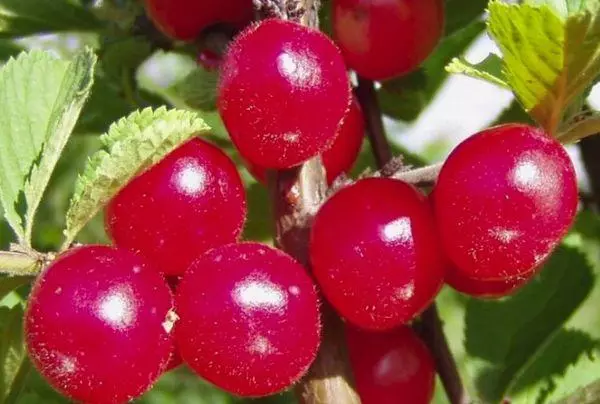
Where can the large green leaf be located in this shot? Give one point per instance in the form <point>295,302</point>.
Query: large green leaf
<point>131,145</point>
<point>14,364</point>
<point>40,100</point>
<point>548,60</point>
<point>29,17</point>
<point>511,341</point>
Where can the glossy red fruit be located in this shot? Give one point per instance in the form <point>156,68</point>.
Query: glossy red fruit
<point>342,154</point>
<point>393,367</point>
<point>503,200</point>
<point>175,361</point>
<point>98,325</point>
<point>383,39</point>
<point>486,289</point>
<point>186,19</point>
<point>283,92</point>
<point>189,202</point>
<point>249,319</point>
<point>375,253</point>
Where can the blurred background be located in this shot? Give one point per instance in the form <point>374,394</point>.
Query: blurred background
<point>425,119</point>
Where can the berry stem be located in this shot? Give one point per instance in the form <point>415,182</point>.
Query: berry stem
<point>431,329</point>
<point>296,195</point>
<point>365,92</point>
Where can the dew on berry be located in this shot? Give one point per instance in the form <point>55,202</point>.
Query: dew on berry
<point>282,94</point>
<point>503,200</point>
<point>249,319</point>
<point>189,202</point>
<point>95,315</point>
<point>375,253</point>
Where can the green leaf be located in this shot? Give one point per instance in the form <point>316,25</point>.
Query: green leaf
<point>508,338</point>
<point>489,69</point>
<point>405,97</point>
<point>10,283</point>
<point>29,17</point>
<point>548,60</point>
<point>127,53</point>
<point>12,352</point>
<point>40,100</point>
<point>460,13</point>
<point>131,145</point>
<point>198,90</point>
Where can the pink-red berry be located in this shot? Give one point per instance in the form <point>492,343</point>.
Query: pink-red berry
<point>189,202</point>
<point>503,200</point>
<point>375,252</point>
<point>488,289</point>
<point>186,19</point>
<point>249,319</point>
<point>393,367</point>
<point>340,157</point>
<point>383,39</point>
<point>98,325</point>
<point>282,94</point>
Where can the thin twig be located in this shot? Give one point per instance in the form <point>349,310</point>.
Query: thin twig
<point>419,176</point>
<point>296,195</point>
<point>365,92</point>
<point>431,325</point>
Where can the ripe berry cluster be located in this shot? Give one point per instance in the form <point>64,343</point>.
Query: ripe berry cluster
<point>104,322</point>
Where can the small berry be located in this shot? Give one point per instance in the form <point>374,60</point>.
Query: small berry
<point>189,202</point>
<point>282,94</point>
<point>503,200</point>
<point>209,60</point>
<point>384,39</point>
<point>249,319</point>
<point>375,253</point>
<point>391,367</point>
<point>186,19</point>
<point>98,324</point>
<point>340,157</point>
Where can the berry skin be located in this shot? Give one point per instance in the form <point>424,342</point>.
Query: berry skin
<point>487,289</point>
<point>393,367</point>
<point>340,157</point>
<point>97,325</point>
<point>503,200</point>
<point>189,202</point>
<point>186,19</point>
<point>384,39</point>
<point>375,253</point>
<point>282,94</point>
<point>249,319</point>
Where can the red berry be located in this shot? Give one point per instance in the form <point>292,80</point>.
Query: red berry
<point>375,253</point>
<point>249,319</point>
<point>283,92</point>
<point>186,19</point>
<point>342,154</point>
<point>97,324</point>
<point>391,367</point>
<point>208,59</point>
<point>189,202</point>
<point>488,289</point>
<point>504,199</point>
<point>383,39</point>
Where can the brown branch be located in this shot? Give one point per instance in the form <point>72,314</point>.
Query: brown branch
<point>431,328</point>
<point>296,196</point>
